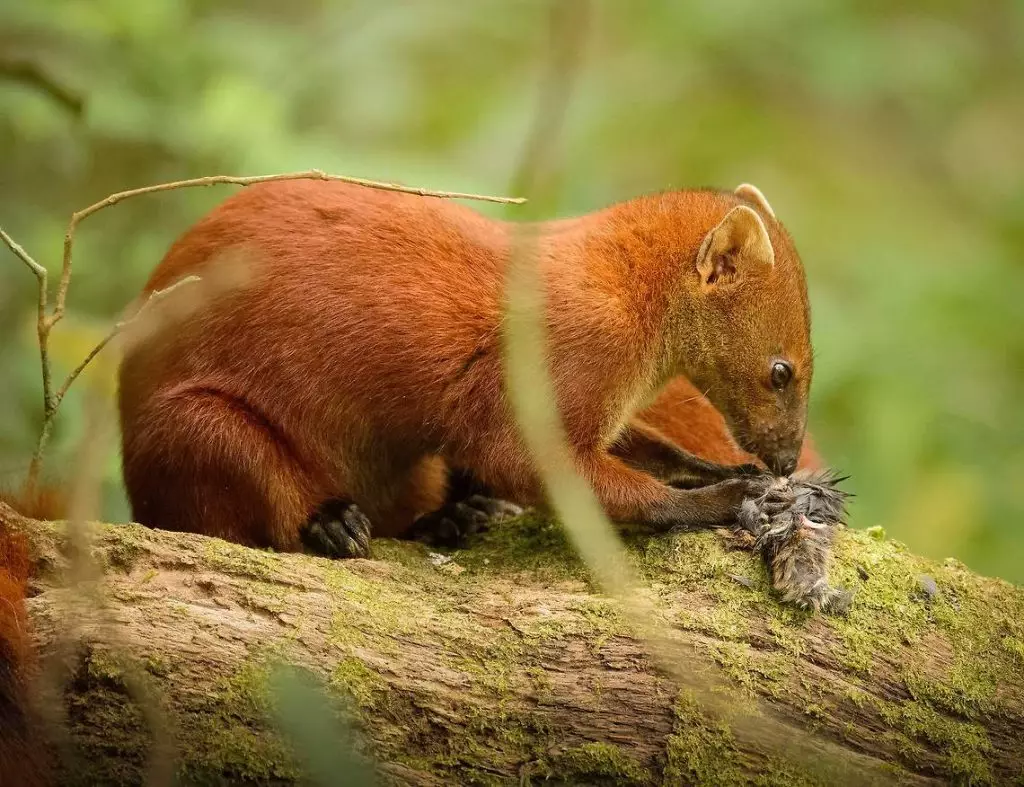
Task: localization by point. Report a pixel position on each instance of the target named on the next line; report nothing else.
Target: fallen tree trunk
(503, 665)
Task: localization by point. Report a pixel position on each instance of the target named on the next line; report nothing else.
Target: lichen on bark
(504, 665)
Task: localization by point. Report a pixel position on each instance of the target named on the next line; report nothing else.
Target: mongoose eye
(782, 373)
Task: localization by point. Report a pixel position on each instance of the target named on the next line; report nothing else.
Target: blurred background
(887, 136)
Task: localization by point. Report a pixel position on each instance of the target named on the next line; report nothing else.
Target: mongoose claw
(338, 530)
(452, 524)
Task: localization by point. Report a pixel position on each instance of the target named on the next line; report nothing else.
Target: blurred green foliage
(886, 135)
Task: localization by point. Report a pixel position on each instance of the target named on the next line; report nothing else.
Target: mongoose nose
(783, 463)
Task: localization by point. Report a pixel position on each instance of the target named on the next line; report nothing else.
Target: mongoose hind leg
(200, 460)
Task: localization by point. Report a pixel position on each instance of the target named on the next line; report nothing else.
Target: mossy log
(503, 665)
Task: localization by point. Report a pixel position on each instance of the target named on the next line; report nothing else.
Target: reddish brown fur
(21, 761)
(45, 502)
(366, 344)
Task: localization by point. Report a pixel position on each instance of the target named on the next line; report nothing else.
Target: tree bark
(503, 665)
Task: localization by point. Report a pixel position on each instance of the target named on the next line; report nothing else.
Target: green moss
(392, 613)
(157, 665)
(970, 616)
(691, 559)
(599, 763)
(786, 635)
(976, 625)
(530, 542)
(494, 665)
(358, 680)
(498, 738)
(409, 554)
(734, 583)
(264, 597)
(106, 666)
(979, 623)
(238, 560)
(753, 670)
(229, 737)
(600, 615)
(964, 690)
(720, 620)
(1015, 647)
(701, 751)
(109, 735)
(541, 682)
(884, 610)
(126, 547)
(224, 734)
(857, 696)
(967, 623)
(417, 603)
(965, 745)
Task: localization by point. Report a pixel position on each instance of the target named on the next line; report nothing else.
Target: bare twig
(35, 466)
(45, 321)
(215, 180)
(23, 255)
(43, 333)
(118, 327)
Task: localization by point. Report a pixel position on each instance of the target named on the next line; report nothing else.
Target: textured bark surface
(504, 666)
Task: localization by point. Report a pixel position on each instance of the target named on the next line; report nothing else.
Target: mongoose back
(363, 353)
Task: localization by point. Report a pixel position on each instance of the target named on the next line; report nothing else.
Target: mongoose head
(750, 348)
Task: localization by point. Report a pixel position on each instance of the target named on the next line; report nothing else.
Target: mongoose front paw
(765, 496)
(339, 530)
(451, 525)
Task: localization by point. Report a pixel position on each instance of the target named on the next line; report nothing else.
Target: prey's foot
(452, 524)
(767, 497)
(792, 522)
(338, 529)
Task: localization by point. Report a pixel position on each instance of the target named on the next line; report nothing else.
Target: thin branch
(35, 466)
(155, 297)
(23, 255)
(45, 322)
(213, 180)
(43, 333)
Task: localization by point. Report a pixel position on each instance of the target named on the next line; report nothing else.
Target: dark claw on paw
(452, 524)
(338, 530)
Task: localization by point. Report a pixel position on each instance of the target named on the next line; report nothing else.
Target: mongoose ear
(753, 194)
(739, 240)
